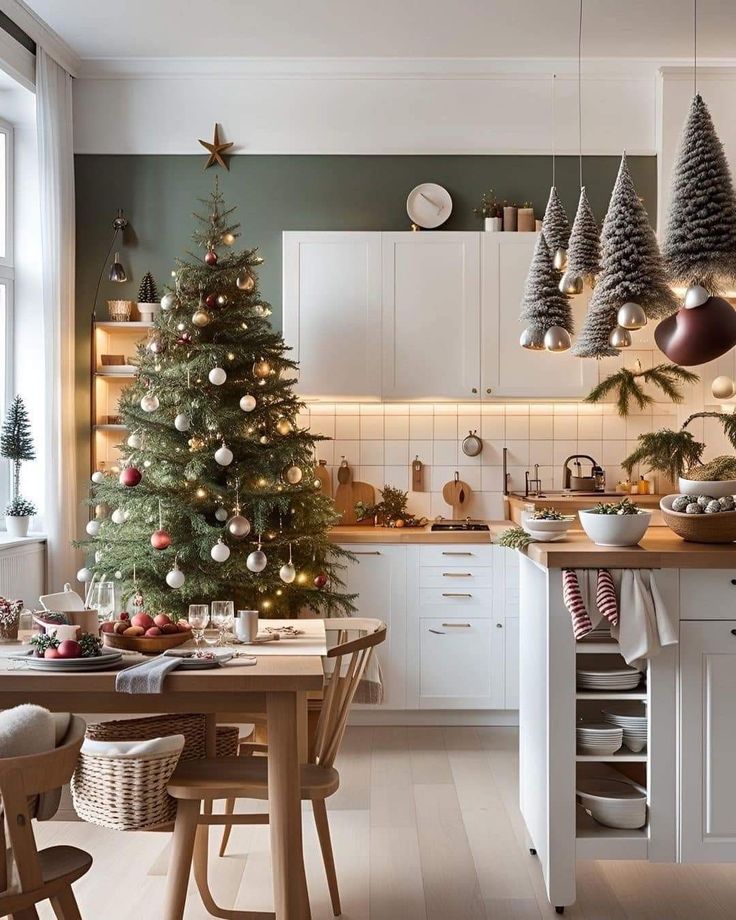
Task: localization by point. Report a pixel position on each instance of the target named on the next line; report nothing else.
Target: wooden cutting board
(457, 494)
(323, 474)
(349, 492)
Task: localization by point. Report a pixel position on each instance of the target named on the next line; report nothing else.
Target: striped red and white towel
(605, 599)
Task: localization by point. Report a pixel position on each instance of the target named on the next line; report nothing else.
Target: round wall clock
(429, 205)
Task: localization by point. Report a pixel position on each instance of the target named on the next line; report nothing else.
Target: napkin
(147, 677)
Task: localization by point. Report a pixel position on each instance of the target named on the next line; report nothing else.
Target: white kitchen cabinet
(511, 662)
(431, 315)
(378, 577)
(506, 368)
(708, 740)
(332, 312)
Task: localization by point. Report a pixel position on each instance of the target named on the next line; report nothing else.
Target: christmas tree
(542, 305)
(147, 291)
(217, 497)
(700, 242)
(631, 270)
(555, 225)
(584, 251)
(16, 441)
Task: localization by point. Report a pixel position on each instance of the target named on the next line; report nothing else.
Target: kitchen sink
(446, 526)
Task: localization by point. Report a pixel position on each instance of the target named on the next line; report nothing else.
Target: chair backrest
(354, 640)
(22, 778)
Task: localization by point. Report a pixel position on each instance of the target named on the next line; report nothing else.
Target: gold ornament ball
(228, 238)
(532, 339)
(723, 387)
(560, 259)
(245, 281)
(201, 318)
(571, 284)
(293, 475)
(284, 426)
(262, 368)
(619, 338)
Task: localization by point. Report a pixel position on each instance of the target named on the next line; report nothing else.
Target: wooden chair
(45, 874)
(201, 782)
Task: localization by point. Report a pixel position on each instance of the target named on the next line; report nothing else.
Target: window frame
(7, 279)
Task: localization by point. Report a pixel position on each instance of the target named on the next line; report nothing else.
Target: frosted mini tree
(542, 305)
(16, 440)
(584, 250)
(631, 270)
(217, 498)
(555, 224)
(700, 240)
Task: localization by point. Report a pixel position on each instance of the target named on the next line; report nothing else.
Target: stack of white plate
(634, 728)
(613, 802)
(608, 678)
(598, 738)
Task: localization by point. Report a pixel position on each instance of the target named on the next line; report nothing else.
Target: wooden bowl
(699, 528)
(153, 645)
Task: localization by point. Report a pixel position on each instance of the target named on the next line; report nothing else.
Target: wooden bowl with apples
(145, 634)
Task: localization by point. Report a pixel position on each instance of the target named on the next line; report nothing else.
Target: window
(7, 277)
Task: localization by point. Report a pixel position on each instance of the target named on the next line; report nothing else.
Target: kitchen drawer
(453, 596)
(461, 663)
(456, 578)
(707, 594)
(456, 554)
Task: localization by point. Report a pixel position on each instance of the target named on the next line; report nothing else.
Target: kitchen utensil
(576, 482)
(457, 494)
(417, 475)
(323, 474)
(246, 625)
(472, 444)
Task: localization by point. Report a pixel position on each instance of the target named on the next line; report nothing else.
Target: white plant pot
(148, 311)
(713, 487)
(17, 526)
(493, 224)
(615, 529)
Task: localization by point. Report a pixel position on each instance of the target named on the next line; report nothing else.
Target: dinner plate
(107, 659)
(189, 663)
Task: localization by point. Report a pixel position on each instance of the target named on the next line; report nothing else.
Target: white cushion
(26, 729)
(172, 744)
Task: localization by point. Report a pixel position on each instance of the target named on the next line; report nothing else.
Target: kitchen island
(687, 768)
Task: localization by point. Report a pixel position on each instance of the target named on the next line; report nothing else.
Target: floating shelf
(620, 756)
(611, 694)
(597, 647)
(595, 841)
(109, 326)
(110, 427)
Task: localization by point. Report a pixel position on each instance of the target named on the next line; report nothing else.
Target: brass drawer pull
(457, 574)
(367, 552)
(457, 625)
(454, 594)
(447, 553)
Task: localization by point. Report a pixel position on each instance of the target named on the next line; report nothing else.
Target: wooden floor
(425, 827)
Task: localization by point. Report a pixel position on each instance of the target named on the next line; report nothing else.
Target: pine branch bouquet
(627, 388)
(217, 497)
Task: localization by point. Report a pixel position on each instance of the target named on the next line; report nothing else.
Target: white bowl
(713, 487)
(546, 530)
(615, 529)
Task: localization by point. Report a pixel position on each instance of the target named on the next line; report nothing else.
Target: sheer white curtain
(56, 184)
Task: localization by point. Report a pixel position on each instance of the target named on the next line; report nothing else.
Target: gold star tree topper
(216, 149)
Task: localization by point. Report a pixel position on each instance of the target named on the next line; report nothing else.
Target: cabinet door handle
(367, 552)
(448, 553)
(499, 625)
(474, 390)
(457, 574)
(454, 594)
(733, 632)
(457, 625)
(733, 581)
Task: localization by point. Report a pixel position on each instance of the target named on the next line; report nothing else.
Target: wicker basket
(128, 793)
(120, 310)
(699, 528)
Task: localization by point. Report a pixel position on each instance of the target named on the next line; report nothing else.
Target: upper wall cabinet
(508, 369)
(431, 315)
(332, 312)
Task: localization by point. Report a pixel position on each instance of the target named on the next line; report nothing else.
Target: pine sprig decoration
(584, 250)
(665, 451)
(627, 388)
(543, 305)
(515, 538)
(728, 421)
(555, 224)
(700, 240)
(631, 270)
(147, 292)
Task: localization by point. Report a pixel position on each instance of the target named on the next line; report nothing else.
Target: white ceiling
(650, 29)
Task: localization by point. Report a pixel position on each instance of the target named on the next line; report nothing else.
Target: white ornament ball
(256, 561)
(695, 296)
(224, 456)
(294, 475)
(248, 403)
(181, 422)
(134, 441)
(93, 527)
(84, 575)
(98, 477)
(221, 514)
(220, 552)
(175, 578)
(238, 526)
(287, 573)
(118, 574)
(118, 516)
(149, 403)
(217, 376)
(168, 301)
(723, 387)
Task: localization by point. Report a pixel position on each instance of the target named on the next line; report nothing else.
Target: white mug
(246, 625)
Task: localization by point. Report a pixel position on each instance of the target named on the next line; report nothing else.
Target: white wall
(363, 106)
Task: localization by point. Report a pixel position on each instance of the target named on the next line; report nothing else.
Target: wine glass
(223, 613)
(199, 618)
(103, 598)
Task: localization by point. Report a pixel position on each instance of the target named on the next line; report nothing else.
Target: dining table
(277, 684)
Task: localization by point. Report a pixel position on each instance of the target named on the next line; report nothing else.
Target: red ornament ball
(320, 581)
(130, 476)
(161, 539)
(211, 301)
(211, 257)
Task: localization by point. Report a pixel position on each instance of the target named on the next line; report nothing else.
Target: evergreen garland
(147, 292)
(625, 384)
(631, 270)
(584, 251)
(16, 440)
(555, 225)
(543, 305)
(700, 241)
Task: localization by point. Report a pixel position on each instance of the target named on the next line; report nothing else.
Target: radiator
(23, 572)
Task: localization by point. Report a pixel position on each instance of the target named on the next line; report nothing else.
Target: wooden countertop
(660, 548)
(368, 534)
(582, 500)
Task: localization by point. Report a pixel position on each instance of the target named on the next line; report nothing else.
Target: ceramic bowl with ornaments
(716, 478)
(546, 524)
(615, 524)
(144, 633)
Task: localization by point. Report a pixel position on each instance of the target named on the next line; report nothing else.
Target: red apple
(182, 626)
(143, 620)
(108, 627)
(69, 649)
(134, 631)
(161, 619)
(153, 632)
(169, 629)
(124, 615)
(51, 653)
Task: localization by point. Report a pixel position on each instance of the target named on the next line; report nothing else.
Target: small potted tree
(490, 210)
(16, 445)
(148, 300)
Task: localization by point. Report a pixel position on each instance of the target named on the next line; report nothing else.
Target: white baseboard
(443, 717)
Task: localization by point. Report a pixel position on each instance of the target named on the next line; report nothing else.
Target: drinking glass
(199, 618)
(103, 598)
(223, 613)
